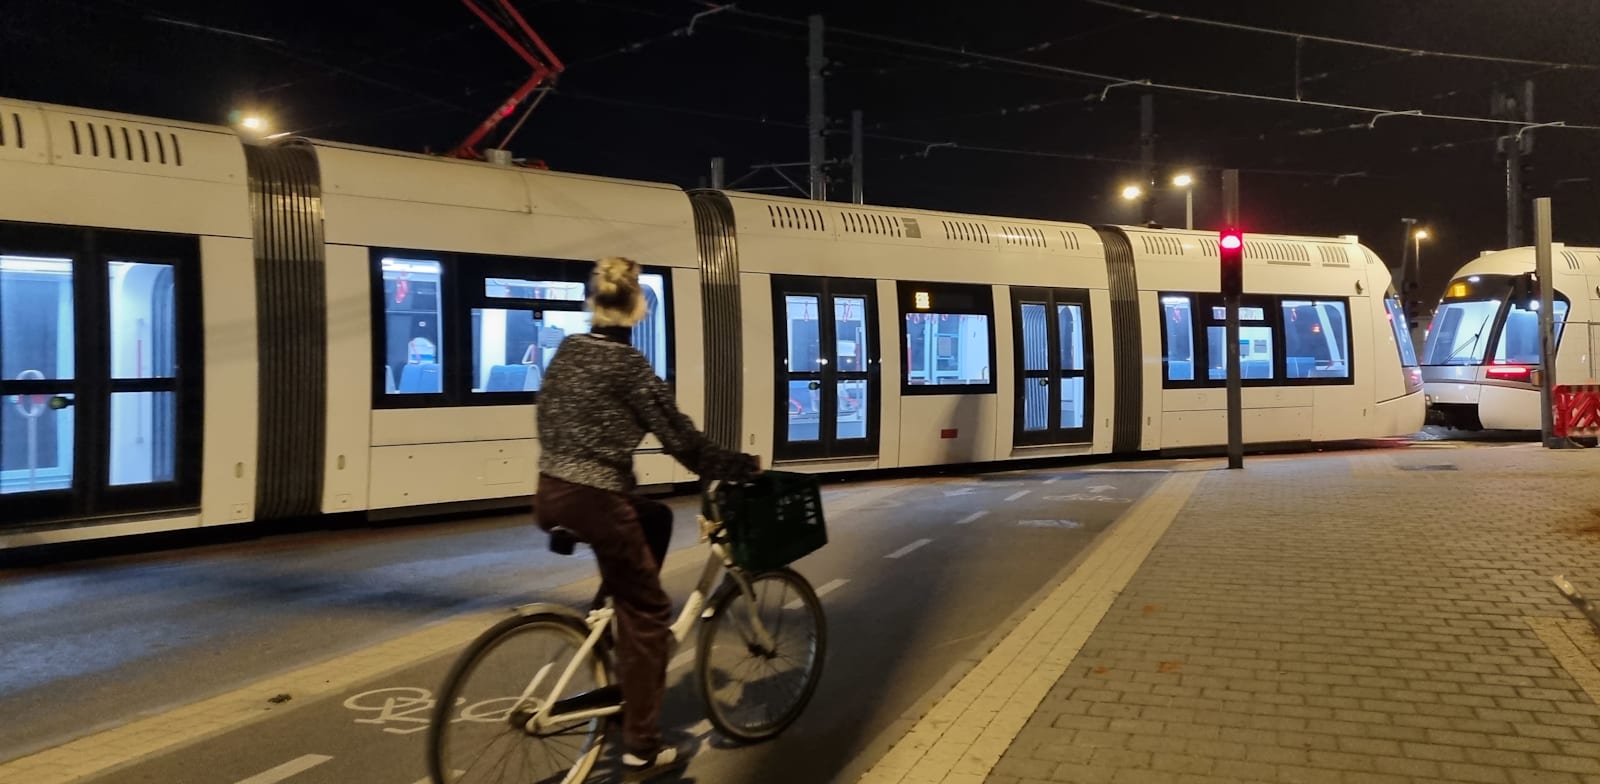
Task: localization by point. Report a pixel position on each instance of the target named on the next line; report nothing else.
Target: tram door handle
(815, 385)
(1044, 382)
(59, 402)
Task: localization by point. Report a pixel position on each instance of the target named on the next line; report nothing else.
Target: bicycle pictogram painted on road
(409, 706)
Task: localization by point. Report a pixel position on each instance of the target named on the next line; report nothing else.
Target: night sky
(640, 100)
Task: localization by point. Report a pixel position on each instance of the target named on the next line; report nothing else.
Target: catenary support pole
(817, 121)
(1547, 344)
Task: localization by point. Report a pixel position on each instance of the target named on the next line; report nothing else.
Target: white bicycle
(548, 673)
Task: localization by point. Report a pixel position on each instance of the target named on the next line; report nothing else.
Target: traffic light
(1231, 249)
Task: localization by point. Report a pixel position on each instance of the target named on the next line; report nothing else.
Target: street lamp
(1132, 192)
(250, 122)
(1186, 182)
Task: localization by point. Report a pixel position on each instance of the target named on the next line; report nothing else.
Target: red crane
(545, 69)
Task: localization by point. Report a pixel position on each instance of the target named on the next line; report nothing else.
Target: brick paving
(1365, 617)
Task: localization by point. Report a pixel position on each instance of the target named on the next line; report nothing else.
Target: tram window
(947, 349)
(36, 343)
(548, 290)
(1518, 343)
(414, 350)
(1177, 313)
(511, 348)
(451, 326)
(948, 338)
(1315, 341)
(1255, 344)
(36, 306)
(143, 339)
(1402, 336)
(1459, 334)
(650, 335)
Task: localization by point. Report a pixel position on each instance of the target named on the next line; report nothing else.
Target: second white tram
(1480, 358)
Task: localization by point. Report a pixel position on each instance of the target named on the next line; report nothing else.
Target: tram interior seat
(415, 379)
(513, 378)
(1249, 368)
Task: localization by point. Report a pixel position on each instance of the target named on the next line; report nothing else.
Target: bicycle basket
(775, 520)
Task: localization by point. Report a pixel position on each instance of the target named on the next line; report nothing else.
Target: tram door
(99, 373)
(1054, 389)
(827, 366)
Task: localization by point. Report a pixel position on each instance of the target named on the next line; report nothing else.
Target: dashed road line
(908, 548)
(825, 589)
(293, 767)
(1016, 495)
(972, 518)
(1052, 480)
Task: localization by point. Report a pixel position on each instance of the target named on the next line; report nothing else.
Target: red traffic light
(1231, 243)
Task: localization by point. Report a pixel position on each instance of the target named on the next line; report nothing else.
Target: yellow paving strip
(1575, 646)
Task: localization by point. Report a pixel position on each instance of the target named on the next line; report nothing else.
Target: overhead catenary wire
(1111, 81)
(1413, 51)
(929, 145)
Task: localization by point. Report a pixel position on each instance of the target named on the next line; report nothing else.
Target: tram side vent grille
(798, 218)
(124, 143)
(11, 131)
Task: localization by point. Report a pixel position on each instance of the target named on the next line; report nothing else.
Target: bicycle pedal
(603, 697)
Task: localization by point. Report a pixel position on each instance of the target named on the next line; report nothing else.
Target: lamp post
(1186, 182)
(1416, 249)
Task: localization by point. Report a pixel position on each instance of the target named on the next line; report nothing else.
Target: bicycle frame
(694, 609)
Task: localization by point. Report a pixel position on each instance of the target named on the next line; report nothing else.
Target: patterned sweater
(598, 400)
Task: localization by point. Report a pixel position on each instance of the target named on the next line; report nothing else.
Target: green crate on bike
(775, 520)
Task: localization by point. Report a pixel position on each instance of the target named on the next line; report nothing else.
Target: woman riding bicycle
(599, 398)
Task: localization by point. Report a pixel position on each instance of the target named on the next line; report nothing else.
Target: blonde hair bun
(615, 297)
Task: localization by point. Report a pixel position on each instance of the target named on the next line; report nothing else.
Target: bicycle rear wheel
(752, 690)
(478, 729)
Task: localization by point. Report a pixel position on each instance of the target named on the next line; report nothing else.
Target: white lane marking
(429, 779)
(1101, 489)
(1018, 494)
(824, 590)
(1052, 480)
(287, 769)
(908, 548)
(972, 518)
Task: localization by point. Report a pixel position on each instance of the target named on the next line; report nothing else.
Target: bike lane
(917, 576)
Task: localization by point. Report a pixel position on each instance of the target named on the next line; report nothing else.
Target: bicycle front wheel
(761, 653)
(479, 730)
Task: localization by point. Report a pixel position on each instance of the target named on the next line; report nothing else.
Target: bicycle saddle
(563, 541)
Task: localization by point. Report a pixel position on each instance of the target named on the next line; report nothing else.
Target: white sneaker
(637, 768)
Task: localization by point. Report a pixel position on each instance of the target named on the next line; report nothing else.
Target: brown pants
(629, 536)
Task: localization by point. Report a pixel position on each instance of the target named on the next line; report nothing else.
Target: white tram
(1480, 359)
(195, 331)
